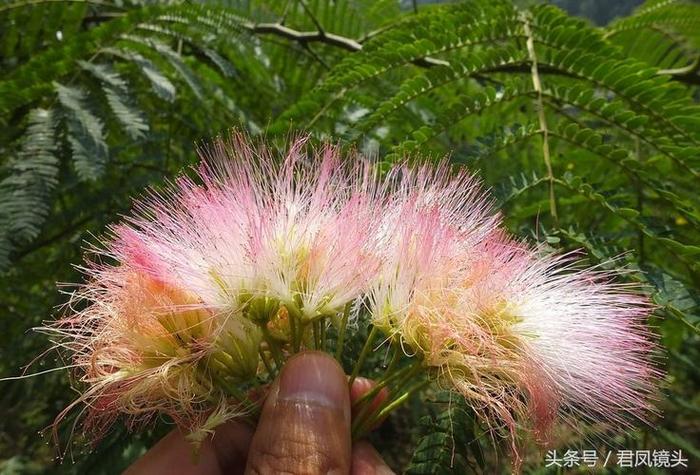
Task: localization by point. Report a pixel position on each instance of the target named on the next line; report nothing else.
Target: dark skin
(304, 428)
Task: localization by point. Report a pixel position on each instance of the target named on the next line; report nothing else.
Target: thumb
(305, 423)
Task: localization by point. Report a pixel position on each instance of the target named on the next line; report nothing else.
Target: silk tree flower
(209, 285)
(527, 337)
(583, 338)
(430, 219)
(312, 243)
(251, 249)
(295, 232)
(144, 344)
(436, 233)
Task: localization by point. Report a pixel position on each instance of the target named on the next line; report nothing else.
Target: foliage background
(589, 137)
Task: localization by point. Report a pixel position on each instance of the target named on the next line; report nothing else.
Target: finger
(360, 387)
(366, 461)
(224, 453)
(231, 444)
(173, 454)
(305, 422)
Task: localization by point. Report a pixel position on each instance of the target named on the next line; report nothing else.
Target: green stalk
(404, 375)
(394, 358)
(363, 355)
(363, 427)
(267, 364)
(396, 402)
(382, 383)
(316, 334)
(241, 397)
(301, 330)
(323, 326)
(341, 331)
(274, 348)
(293, 328)
(414, 368)
(296, 326)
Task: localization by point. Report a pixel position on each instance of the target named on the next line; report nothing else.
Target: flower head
(206, 269)
(212, 283)
(585, 338)
(524, 335)
(430, 219)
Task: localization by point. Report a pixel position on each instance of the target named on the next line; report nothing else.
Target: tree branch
(305, 37)
(36, 245)
(541, 114)
(687, 74)
(302, 37)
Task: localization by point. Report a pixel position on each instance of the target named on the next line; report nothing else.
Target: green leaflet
(451, 440)
(27, 184)
(85, 133)
(118, 97)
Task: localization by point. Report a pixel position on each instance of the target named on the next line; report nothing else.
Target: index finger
(224, 453)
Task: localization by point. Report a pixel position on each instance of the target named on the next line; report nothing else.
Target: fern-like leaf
(117, 93)
(28, 179)
(85, 133)
(450, 441)
(160, 84)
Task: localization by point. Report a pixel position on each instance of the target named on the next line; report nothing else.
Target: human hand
(304, 428)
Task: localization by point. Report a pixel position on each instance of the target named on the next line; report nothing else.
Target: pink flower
(213, 282)
(585, 339)
(525, 336)
(205, 269)
(430, 219)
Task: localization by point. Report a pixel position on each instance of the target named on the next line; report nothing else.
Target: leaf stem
(541, 116)
(267, 364)
(363, 355)
(341, 332)
(239, 395)
(274, 348)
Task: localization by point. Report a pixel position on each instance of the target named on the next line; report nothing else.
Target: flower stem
(293, 328)
(296, 326)
(316, 328)
(383, 382)
(364, 403)
(267, 364)
(360, 428)
(274, 348)
(323, 326)
(363, 355)
(341, 332)
(251, 407)
(396, 355)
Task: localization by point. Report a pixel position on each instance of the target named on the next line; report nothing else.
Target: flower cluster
(209, 286)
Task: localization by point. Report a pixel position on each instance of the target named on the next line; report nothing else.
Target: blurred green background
(584, 124)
